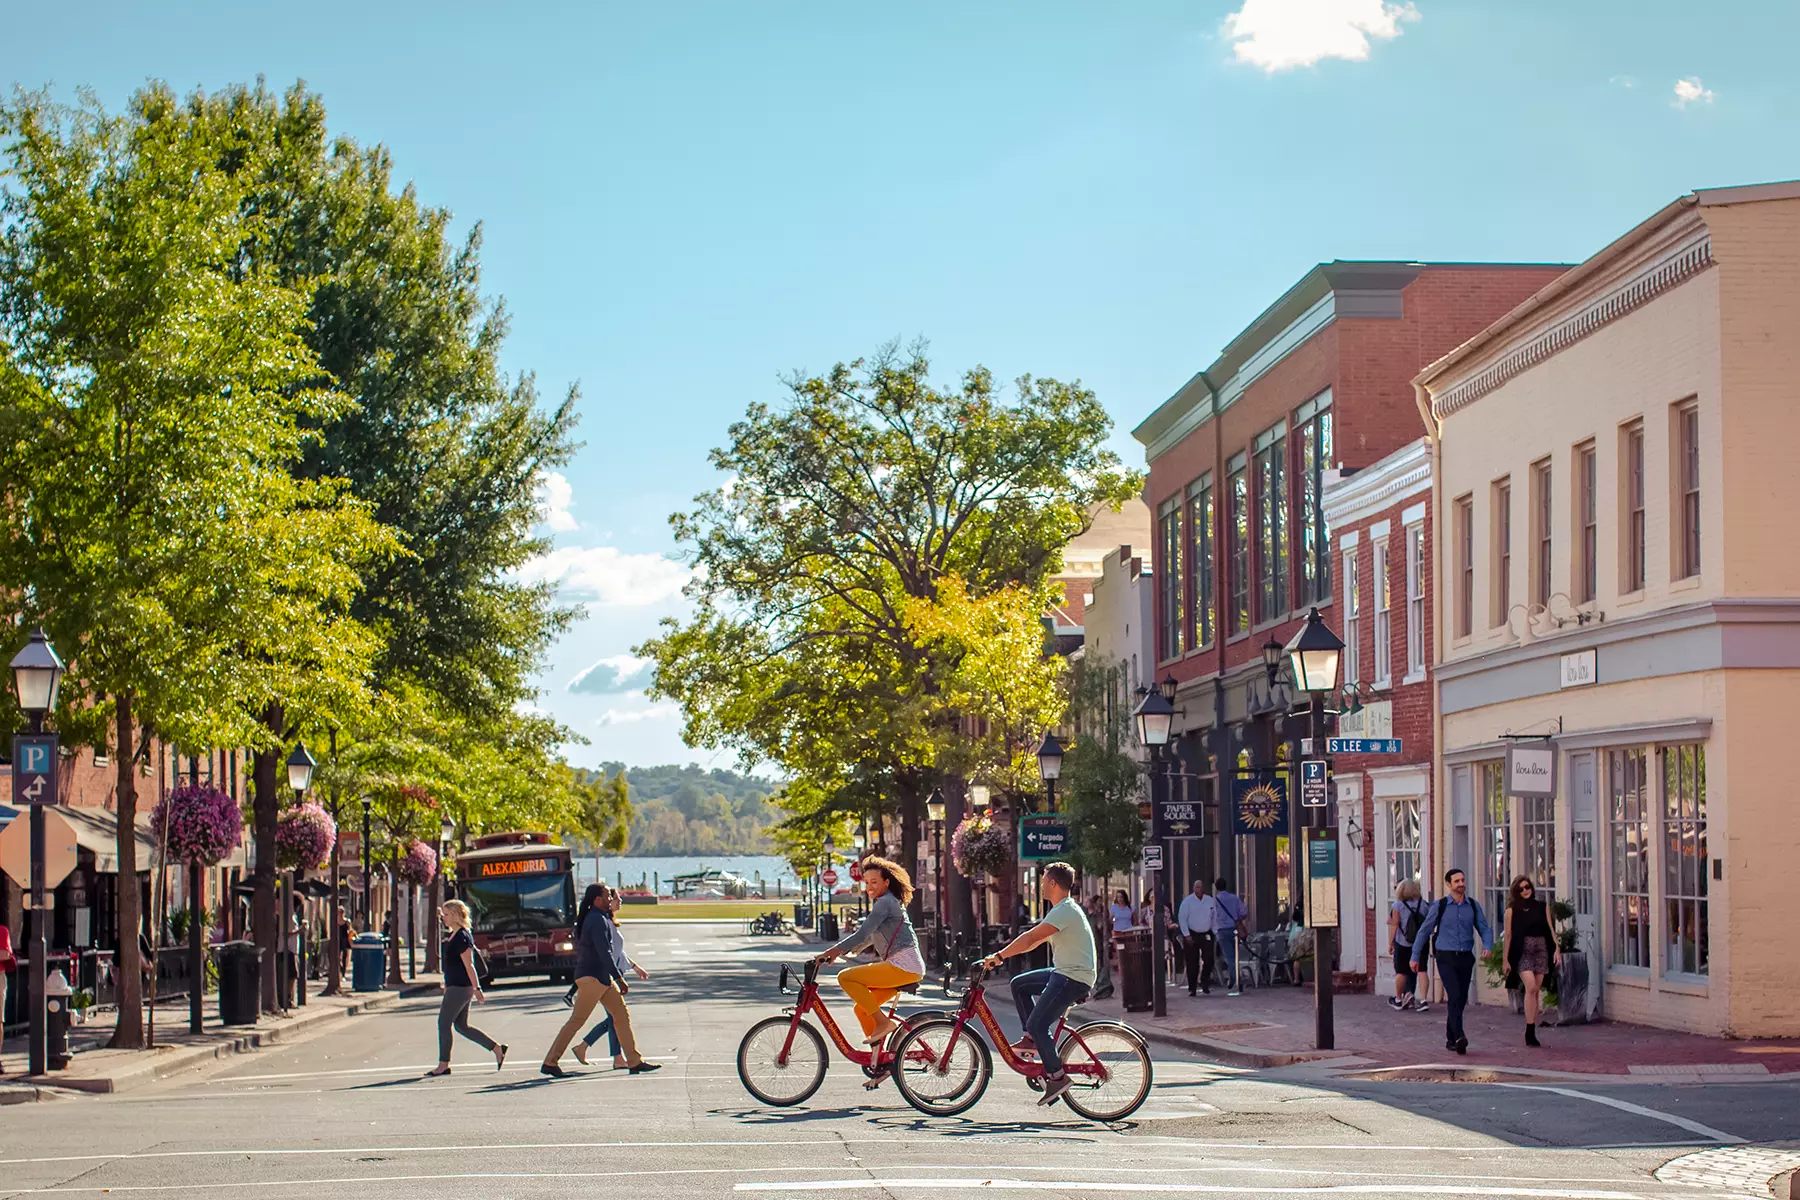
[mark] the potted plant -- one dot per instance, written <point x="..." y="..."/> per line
<point x="1566" y="993"/>
<point x="1494" y="963"/>
<point x="80" y="1001"/>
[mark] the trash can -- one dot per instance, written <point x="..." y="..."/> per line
<point x="240" y="971"/>
<point x="828" y="926"/>
<point x="803" y="916"/>
<point x="368" y="962"/>
<point x="1133" y="976"/>
<point x="56" y="1011"/>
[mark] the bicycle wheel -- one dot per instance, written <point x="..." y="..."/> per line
<point x="1121" y="1076"/>
<point x="776" y="1083"/>
<point x="942" y="1070"/>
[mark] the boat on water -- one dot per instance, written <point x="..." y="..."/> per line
<point x="709" y="883"/>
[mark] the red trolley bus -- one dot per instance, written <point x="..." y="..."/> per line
<point x="520" y="889"/>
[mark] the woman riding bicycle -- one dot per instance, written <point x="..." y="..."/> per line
<point x="889" y="931"/>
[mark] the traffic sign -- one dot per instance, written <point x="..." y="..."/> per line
<point x="1363" y="746"/>
<point x="1043" y="838"/>
<point x="830" y="877"/>
<point x="1313" y="783"/>
<point x="60" y="849"/>
<point x="1153" y="858"/>
<point x="856" y="871"/>
<point x="34" y="768"/>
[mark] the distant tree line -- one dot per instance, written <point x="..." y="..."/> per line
<point x="683" y="810"/>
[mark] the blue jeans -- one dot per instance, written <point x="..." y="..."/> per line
<point x="1228" y="954"/>
<point x="612" y="1039"/>
<point x="1043" y="997"/>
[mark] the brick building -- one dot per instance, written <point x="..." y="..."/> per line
<point x="1380" y="522"/>
<point x="1239" y="459"/>
<point x="1614" y="498"/>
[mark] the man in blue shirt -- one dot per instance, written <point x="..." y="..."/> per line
<point x="1229" y="915"/>
<point x="1458" y="922"/>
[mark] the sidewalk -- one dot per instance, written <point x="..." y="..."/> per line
<point x="94" y="1068"/>
<point x="1273" y="1027"/>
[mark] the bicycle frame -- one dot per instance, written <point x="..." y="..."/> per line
<point x="975" y="1005"/>
<point x="870" y="1059"/>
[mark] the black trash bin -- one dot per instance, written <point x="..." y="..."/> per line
<point x="803" y="916"/>
<point x="828" y="926"/>
<point x="368" y="962"/>
<point x="1133" y="975"/>
<point x="240" y="969"/>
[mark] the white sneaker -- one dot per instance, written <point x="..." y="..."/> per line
<point x="1421" y="1006"/>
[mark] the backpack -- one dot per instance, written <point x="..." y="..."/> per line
<point x="1409" y="928"/>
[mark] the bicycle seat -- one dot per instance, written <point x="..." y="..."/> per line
<point x="911" y="989"/>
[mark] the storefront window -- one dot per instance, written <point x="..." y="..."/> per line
<point x="1403" y="853"/>
<point x="1537" y="843"/>
<point x="1629" y="816"/>
<point x="1496" y="838"/>
<point x="1684" y="859"/>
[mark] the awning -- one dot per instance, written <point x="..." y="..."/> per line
<point x="68" y="829"/>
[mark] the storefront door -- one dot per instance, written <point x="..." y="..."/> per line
<point x="1584" y="874"/>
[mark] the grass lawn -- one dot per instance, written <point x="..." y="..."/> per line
<point x="707" y="910"/>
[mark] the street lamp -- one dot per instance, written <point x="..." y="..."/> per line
<point x="1313" y="654"/>
<point x="37" y="674"/>
<point x="1050" y="756"/>
<point x="936" y="811"/>
<point x="1271" y="655"/>
<point x="1155" y="716"/>
<point x="978" y="795"/>
<point x="368" y="900"/>
<point x="300" y="766"/>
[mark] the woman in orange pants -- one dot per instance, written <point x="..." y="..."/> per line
<point x="888" y="930"/>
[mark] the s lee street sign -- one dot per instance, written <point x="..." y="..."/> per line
<point x="1313" y="783"/>
<point x="1153" y="858"/>
<point x="34" y="760"/>
<point x="1362" y="746"/>
<point x="1043" y="838"/>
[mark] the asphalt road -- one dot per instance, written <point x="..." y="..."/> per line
<point x="346" y="1114"/>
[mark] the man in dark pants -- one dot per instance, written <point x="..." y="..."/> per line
<point x="1458" y="924"/>
<point x="1197" y="916"/>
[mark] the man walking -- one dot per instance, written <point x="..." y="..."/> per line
<point x="1197" y="916"/>
<point x="1457" y="922"/>
<point x="1228" y="924"/>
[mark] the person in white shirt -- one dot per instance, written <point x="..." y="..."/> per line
<point x="1124" y="917"/>
<point x="1197" y="916"/>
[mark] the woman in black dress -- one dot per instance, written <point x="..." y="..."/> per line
<point x="1530" y="947"/>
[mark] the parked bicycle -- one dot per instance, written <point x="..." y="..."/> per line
<point x="782" y="1059"/>
<point x="945" y="1065"/>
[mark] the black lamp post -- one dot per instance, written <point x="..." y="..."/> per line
<point x="1155" y="716"/>
<point x="935" y="810"/>
<point x="439" y="892"/>
<point x="368" y="912"/>
<point x="1049" y="757"/>
<point x="1313" y="655"/>
<point x="37" y="674"/>
<point x="860" y="839"/>
<point x="300" y="765"/>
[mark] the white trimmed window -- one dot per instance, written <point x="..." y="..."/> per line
<point x="1415" y="600"/>
<point x="1352" y="617"/>
<point x="1384" y="623"/>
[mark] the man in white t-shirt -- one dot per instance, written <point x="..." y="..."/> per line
<point x="1044" y="996"/>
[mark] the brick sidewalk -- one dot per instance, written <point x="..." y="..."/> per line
<point x="1274" y="1027"/>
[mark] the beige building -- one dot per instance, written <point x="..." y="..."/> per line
<point x="1615" y="495"/>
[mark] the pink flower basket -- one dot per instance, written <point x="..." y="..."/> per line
<point x="201" y="824"/>
<point x="304" y="837"/>
<point x="418" y="864"/>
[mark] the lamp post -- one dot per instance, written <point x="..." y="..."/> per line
<point x="334" y="965"/>
<point x="825" y="888"/>
<point x="368" y="914"/>
<point x="1155" y="716"/>
<point x="446" y="831"/>
<point x="1049" y="760"/>
<point x="935" y="810"/>
<point x="860" y="839"/>
<point x="300" y="766"/>
<point x="1313" y="655"/>
<point x="37" y="674"/>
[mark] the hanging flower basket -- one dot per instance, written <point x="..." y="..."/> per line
<point x="203" y="824"/>
<point x="980" y="847"/>
<point x="304" y="837"/>
<point x="418" y="864"/>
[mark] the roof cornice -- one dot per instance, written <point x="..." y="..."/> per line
<point x="1404" y="473"/>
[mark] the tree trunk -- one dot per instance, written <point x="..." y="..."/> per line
<point x="265" y="923"/>
<point x="431" y="943"/>
<point x="334" y="966"/>
<point x="962" y="896"/>
<point x="127" y="963"/>
<point x="395" y="978"/>
<point x="912" y="816"/>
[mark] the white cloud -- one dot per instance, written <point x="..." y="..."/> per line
<point x="1280" y="34"/>
<point x="608" y="575"/>
<point x="609" y="676"/>
<point x="1688" y="91"/>
<point x="1624" y="81"/>
<point x="555" y="497"/>
<point x="630" y="716"/>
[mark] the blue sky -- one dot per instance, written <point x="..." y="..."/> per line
<point x="685" y="201"/>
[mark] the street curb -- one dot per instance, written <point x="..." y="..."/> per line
<point x="1229" y="1053"/>
<point x="20" y="1094"/>
<point x="179" y="1058"/>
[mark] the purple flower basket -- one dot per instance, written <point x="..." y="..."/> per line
<point x="418" y="864"/>
<point x="304" y="837"/>
<point x="201" y="824"/>
<point x="979" y="846"/>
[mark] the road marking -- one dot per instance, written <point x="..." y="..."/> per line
<point x="1091" y="1185"/>
<point x="1705" y="1131"/>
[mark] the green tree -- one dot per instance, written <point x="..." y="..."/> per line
<point x="862" y="493"/>
<point x="1102" y="782"/>
<point x="602" y="813"/>
<point x="154" y="385"/>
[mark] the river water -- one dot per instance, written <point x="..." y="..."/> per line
<point x="656" y="873"/>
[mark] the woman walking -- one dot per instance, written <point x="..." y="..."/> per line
<point x="595" y="975"/>
<point x="1405" y="916"/>
<point x="1530" y="948"/>
<point x="462" y="983"/>
<point x="621" y="961"/>
<point x="889" y="931"/>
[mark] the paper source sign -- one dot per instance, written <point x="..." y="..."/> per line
<point x="1531" y="769"/>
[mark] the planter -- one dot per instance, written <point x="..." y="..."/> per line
<point x="1515" y="1000"/>
<point x="1574" y="997"/>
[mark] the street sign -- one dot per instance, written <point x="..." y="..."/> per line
<point x="830" y="877"/>
<point x="1153" y="858"/>
<point x="60" y="849"/>
<point x="34" y="768"/>
<point x="1313" y="783"/>
<point x="1322" y="878"/>
<point x="1043" y="838"/>
<point x="1344" y="745"/>
<point x="856" y="871"/>
<point x="1179" y="821"/>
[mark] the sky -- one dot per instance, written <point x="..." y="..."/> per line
<point x="683" y="203"/>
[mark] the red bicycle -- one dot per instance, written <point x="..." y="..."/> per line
<point x="944" y="1065"/>
<point x="782" y="1060"/>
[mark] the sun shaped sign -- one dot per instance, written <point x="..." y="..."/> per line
<point x="1261" y="808"/>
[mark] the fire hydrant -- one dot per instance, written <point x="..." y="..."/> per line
<point x="56" y="1004"/>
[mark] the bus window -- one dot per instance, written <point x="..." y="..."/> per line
<point x="520" y="903"/>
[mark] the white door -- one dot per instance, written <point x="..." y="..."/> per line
<point x="1399" y="820"/>
<point x="1353" y="915"/>
<point x="1584" y="862"/>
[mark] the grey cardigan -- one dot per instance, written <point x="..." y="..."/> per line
<point x="887" y="928"/>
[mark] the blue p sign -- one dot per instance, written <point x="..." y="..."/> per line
<point x="34" y="768"/>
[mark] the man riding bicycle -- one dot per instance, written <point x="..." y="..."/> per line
<point x="1045" y="996"/>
